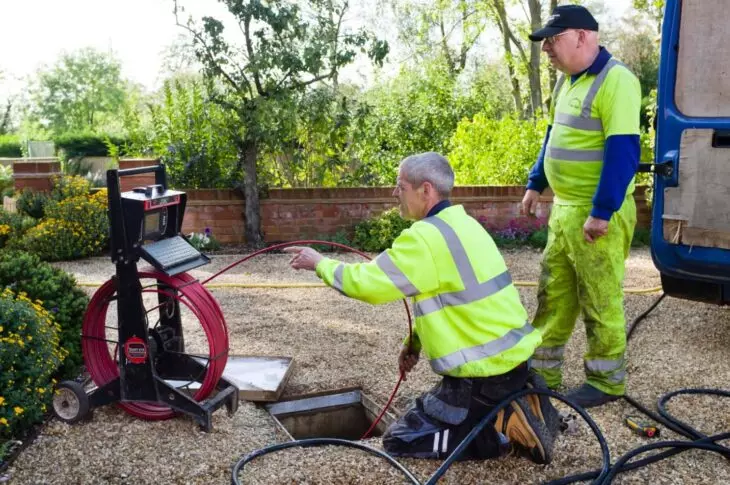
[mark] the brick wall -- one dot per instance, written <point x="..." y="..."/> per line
<point x="35" y="173"/>
<point x="291" y="214"/>
<point x="132" y="181"/>
<point x="220" y="210"/>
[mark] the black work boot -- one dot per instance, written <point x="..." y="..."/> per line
<point x="529" y="436"/>
<point x="540" y="405"/>
<point x="588" y="396"/>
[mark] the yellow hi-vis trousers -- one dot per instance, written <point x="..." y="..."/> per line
<point x="588" y="278"/>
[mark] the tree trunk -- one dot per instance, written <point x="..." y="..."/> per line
<point x="248" y="153"/>
<point x="504" y="28"/>
<point x="551" y="69"/>
<point x="534" y="67"/>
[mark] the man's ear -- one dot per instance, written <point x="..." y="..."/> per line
<point x="428" y="189"/>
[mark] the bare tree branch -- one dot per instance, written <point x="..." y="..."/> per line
<point x="209" y="54"/>
<point x="251" y="56"/>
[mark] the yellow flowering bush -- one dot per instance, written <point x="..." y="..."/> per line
<point x="66" y="187"/>
<point x="63" y="300"/>
<point x="29" y="357"/>
<point x="75" y="227"/>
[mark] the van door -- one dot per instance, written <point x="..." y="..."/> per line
<point x="691" y="212"/>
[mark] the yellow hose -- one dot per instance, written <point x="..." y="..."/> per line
<point x="635" y="291"/>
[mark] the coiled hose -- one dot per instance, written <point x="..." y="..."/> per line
<point x="102" y="365"/>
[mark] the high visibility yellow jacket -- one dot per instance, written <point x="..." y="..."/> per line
<point x="469" y="320"/>
<point x="583" y="115"/>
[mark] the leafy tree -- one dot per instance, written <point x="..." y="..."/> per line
<point x="638" y="48"/>
<point x="317" y="152"/>
<point x="418" y="111"/>
<point x="286" y="47"/>
<point x="653" y="8"/>
<point x="496" y="152"/>
<point x="81" y="92"/>
<point x="446" y="30"/>
<point x="190" y="134"/>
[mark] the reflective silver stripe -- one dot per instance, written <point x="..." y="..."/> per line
<point x="337" y="283"/>
<point x="578" y="122"/>
<point x="546" y="364"/>
<point x="557" y="88"/>
<point x="397" y="277"/>
<point x="436" y="441"/>
<point x="617" y="377"/>
<point x="445" y="441"/>
<point x="575" y="155"/>
<point x="458" y="253"/>
<point x="603" y="365"/>
<point x="490" y="349"/>
<point x="549" y="352"/>
<point x="593" y="90"/>
<point x="470" y="294"/>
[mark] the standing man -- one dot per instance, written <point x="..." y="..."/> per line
<point x="589" y="158"/>
<point x="470" y="324"/>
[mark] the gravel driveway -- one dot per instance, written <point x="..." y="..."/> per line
<point x="337" y="342"/>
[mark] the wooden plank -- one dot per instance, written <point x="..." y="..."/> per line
<point x="695" y="94"/>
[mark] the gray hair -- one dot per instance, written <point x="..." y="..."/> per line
<point x="429" y="167"/>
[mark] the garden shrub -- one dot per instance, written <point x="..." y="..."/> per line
<point x="340" y="238"/>
<point x="29" y="357"/>
<point x="378" y="233"/>
<point x="13" y="226"/>
<point x="85" y="144"/>
<point x="70" y="186"/>
<point x="10" y="146"/>
<point x="495" y="152"/>
<point x="32" y="203"/>
<point x="62" y="299"/>
<point x="6" y="179"/>
<point x="204" y="241"/>
<point x="76" y="227"/>
<point x="518" y="232"/>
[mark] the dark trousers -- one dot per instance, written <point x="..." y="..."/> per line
<point x="437" y="421"/>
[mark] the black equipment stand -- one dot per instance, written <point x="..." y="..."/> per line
<point x="146" y="222"/>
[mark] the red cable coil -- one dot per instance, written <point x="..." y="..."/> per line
<point x="102" y="366"/>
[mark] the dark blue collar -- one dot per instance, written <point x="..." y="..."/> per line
<point x="595" y="68"/>
<point x="439" y="207"/>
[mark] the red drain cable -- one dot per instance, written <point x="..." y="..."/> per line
<point x="103" y="367"/>
<point x="353" y="250"/>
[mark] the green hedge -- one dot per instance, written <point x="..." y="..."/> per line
<point x="10" y="146"/>
<point x="76" y="145"/>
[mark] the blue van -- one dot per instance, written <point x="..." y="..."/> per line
<point x="691" y="210"/>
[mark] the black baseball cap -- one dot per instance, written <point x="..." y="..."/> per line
<point x="566" y="17"/>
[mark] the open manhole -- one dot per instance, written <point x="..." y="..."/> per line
<point x="346" y="415"/>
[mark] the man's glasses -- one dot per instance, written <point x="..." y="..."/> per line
<point x="554" y="38"/>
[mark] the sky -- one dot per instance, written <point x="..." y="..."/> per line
<point x="33" y="33"/>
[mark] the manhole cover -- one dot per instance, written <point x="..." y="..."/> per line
<point x="346" y="415"/>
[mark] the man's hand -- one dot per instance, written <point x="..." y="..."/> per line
<point x="304" y="258"/>
<point x="407" y="360"/>
<point x="529" y="201"/>
<point x="594" y="228"/>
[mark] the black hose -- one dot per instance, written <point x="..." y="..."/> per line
<point x="238" y="467"/>
<point x="641" y="317"/>
<point x="489" y="417"/>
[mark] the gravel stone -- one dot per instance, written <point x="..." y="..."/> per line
<point x="338" y="342"/>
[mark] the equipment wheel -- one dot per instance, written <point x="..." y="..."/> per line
<point x="70" y="402"/>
